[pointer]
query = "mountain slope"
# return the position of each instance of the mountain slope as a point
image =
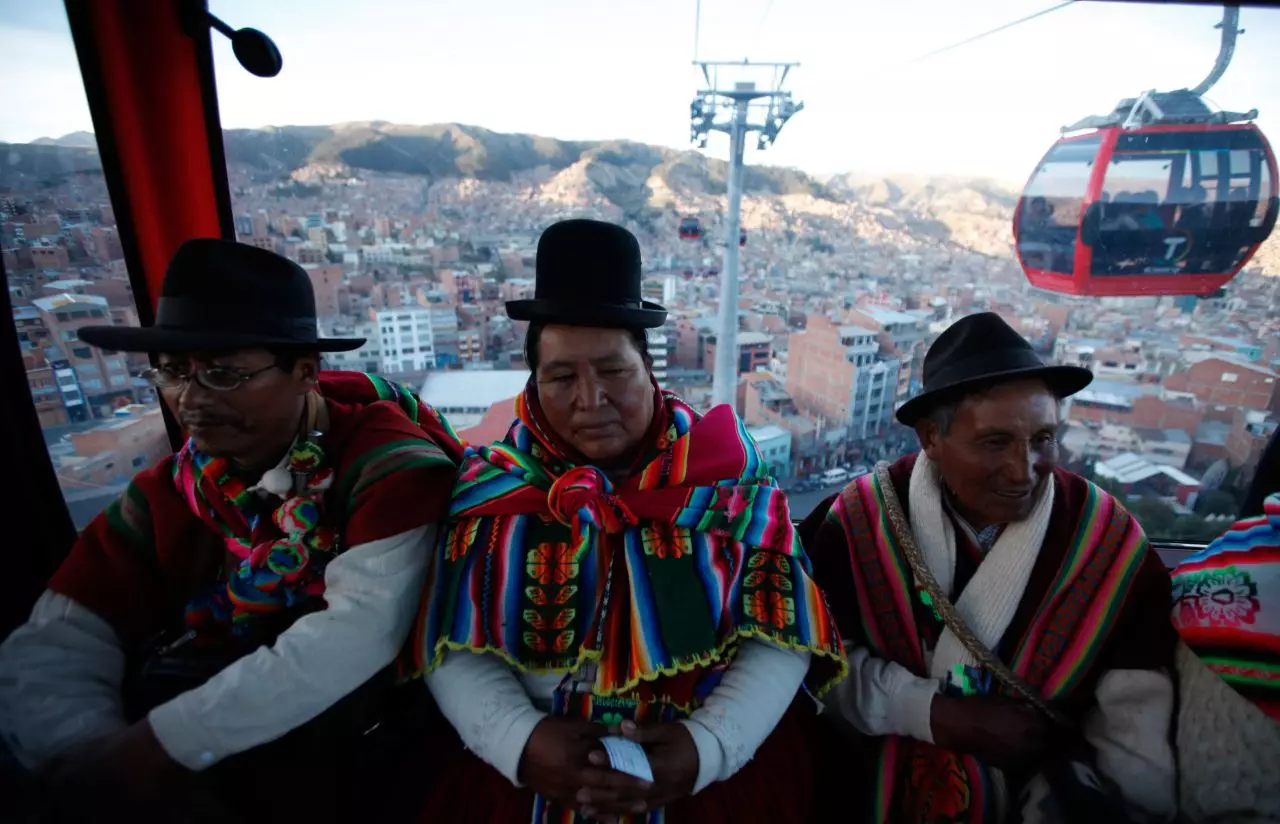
(622, 170)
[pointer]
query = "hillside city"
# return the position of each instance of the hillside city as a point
(844, 284)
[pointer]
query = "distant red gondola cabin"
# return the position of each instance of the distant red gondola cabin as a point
(1173, 207)
(690, 228)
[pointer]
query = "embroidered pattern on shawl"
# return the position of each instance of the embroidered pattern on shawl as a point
(278, 568)
(702, 537)
(1227, 606)
(922, 782)
(643, 590)
(283, 548)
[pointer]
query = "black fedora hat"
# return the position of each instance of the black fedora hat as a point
(588, 274)
(221, 295)
(980, 350)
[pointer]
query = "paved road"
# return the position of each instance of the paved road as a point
(802, 503)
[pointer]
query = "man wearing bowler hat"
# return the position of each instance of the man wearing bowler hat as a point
(1004, 617)
(256, 586)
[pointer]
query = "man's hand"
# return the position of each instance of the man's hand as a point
(993, 729)
(673, 757)
(557, 762)
(126, 768)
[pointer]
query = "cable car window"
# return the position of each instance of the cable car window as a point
(1181, 202)
(1052, 204)
(404, 202)
(65, 269)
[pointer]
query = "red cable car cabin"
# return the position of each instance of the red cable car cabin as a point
(690, 228)
(1172, 208)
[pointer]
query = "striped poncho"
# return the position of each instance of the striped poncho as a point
(1088, 606)
(652, 583)
(385, 463)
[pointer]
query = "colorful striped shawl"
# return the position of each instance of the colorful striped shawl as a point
(549, 566)
(282, 552)
(1227, 606)
(1064, 638)
(148, 553)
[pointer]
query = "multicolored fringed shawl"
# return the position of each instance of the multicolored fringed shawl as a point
(280, 538)
(920, 782)
(278, 569)
(1227, 606)
(148, 554)
(643, 590)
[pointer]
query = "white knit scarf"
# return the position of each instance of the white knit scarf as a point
(991, 597)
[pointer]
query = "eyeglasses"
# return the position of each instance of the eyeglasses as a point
(216, 378)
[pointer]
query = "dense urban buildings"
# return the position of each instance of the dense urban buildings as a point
(840, 296)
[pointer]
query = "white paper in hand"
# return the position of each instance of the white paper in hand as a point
(627, 756)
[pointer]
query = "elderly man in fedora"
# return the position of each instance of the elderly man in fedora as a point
(620, 564)
(255, 586)
(1009, 649)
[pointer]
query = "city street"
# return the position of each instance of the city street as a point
(802, 503)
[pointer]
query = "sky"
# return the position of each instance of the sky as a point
(589, 69)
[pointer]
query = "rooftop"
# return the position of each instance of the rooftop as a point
(1225, 341)
(1107, 398)
(1126, 389)
(1225, 357)
(56, 302)
(493, 425)
(847, 331)
(1213, 432)
(1128, 468)
(473, 387)
(1092, 343)
(769, 388)
(767, 433)
(887, 316)
(1163, 435)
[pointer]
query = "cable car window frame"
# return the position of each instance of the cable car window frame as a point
(1080, 152)
(1187, 149)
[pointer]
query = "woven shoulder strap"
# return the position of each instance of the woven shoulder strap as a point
(902, 532)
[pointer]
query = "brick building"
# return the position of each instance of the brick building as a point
(836, 373)
(1223, 380)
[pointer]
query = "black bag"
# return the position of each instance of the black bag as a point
(1069, 790)
(170, 664)
(176, 662)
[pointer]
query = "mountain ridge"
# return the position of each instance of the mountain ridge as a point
(649, 184)
(443, 150)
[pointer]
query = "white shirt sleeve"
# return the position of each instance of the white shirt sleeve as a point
(60, 676)
(371, 592)
(488, 705)
(739, 714)
(1129, 730)
(884, 698)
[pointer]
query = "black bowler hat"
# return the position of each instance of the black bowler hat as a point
(981, 350)
(221, 295)
(588, 274)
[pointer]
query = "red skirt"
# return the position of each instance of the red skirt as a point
(777, 786)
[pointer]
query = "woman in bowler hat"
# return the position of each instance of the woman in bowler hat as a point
(620, 570)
